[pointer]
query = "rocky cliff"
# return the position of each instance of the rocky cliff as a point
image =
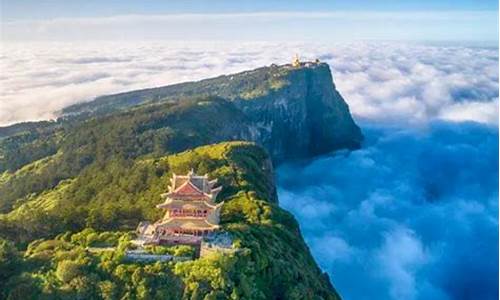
(305, 116)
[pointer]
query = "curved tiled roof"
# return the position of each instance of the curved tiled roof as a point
(194, 223)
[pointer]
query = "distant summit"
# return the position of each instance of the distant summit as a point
(246, 85)
(294, 109)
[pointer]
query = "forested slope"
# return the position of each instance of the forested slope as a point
(273, 261)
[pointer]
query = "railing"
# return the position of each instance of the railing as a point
(189, 214)
(141, 255)
(180, 238)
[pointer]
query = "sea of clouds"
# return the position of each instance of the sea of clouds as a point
(408, 83)
(414, 213)
(411, 215)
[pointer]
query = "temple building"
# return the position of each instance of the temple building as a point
(190, 212)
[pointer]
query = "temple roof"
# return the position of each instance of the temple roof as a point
(188, 188)
(191, 205)
(200, 182)
(193, 223)
(192, 187)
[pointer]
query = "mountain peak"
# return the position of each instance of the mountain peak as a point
(282, 103)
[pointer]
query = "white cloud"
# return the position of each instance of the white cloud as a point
(389, 82)
(485, 112)
(417, 83)
(40, 79)
(333, 248)
(400, 255)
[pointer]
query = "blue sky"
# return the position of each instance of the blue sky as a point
(23, 9)
(251, 20)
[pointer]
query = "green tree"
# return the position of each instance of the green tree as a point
(68, 270)
(23, 287)
(9, 261)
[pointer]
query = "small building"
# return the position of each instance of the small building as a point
(296, 61)
(191, 212)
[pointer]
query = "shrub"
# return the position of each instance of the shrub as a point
(67, 270)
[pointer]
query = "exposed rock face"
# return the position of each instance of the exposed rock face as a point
(304, 118)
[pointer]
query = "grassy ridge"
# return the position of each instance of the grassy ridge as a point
(273, 263)
(247, 85)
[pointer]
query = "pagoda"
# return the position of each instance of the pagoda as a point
(190, 212)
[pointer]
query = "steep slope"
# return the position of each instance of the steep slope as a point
(303, 117)
(272, 262)
(295, 111)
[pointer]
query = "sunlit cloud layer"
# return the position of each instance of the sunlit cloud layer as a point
(380, 81)
(412, 215)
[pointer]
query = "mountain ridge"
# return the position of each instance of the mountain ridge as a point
(294, 112)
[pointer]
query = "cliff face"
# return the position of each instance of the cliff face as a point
(306, 117)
